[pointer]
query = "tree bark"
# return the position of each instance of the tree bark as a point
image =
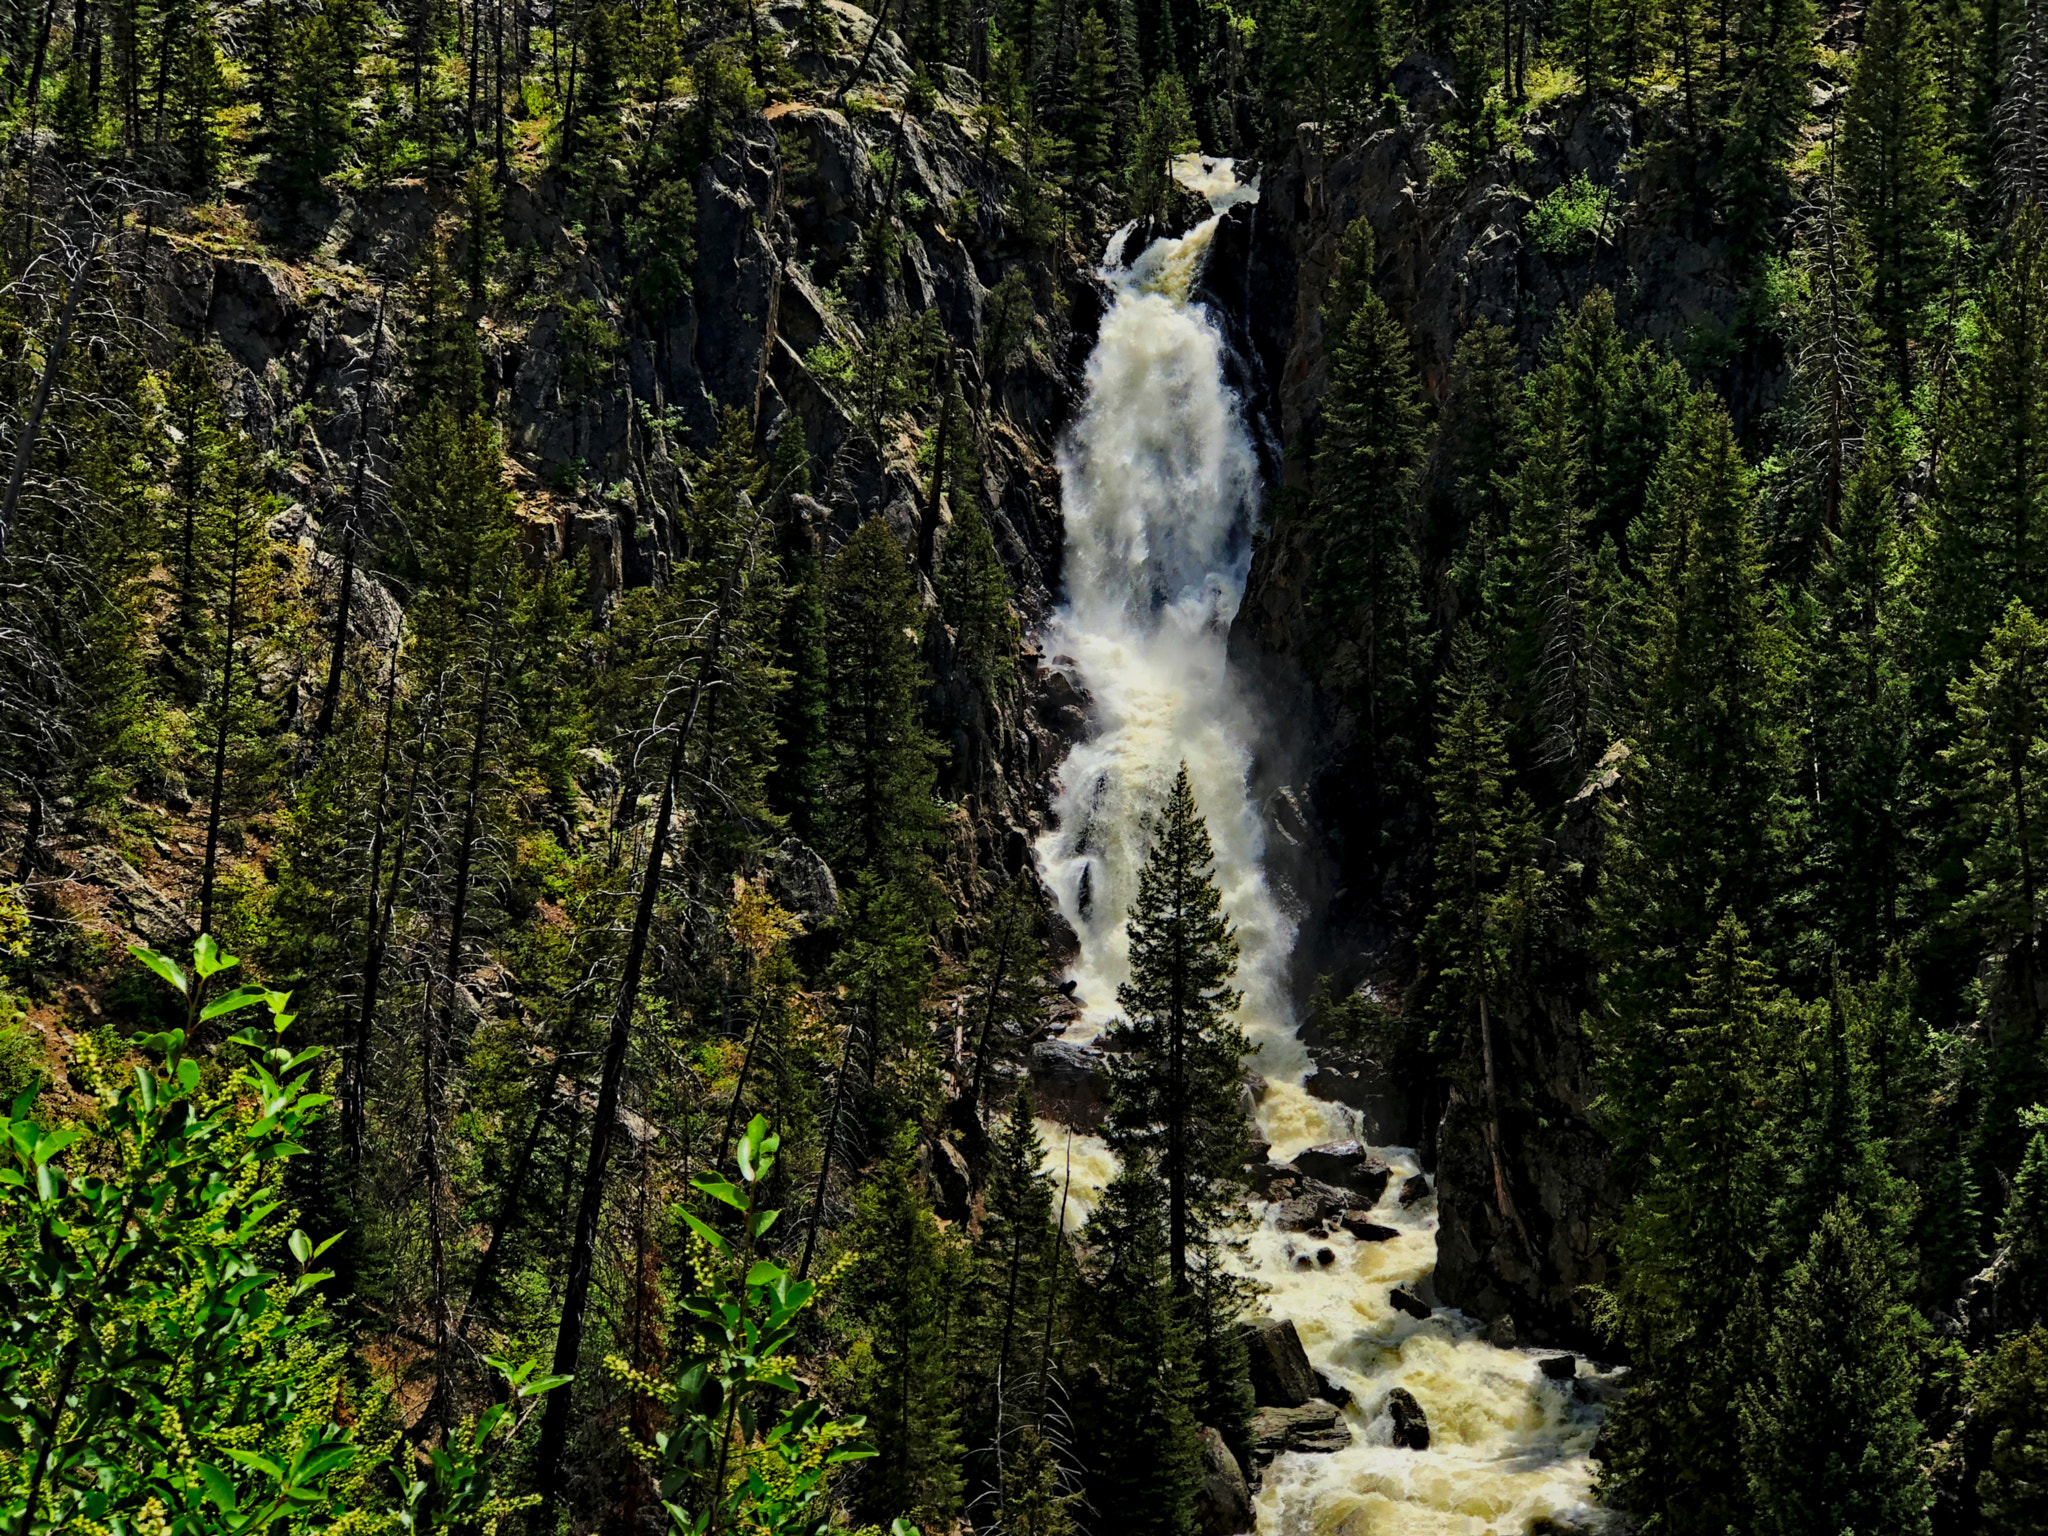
(554, 1430)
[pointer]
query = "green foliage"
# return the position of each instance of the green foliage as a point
(735, 1457)
(1148, 1464)
(1835, 1443)
(144, 1236)
(1368, 575)
(661, 239)
(904, 1293)
(1006, 337)
(1573, 219)
(1165, 130)
(1895, 157)
(974, 597)
(1174, 1087)
(2009, 1399)
(878, 813)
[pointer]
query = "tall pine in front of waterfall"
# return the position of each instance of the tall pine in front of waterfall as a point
(1176, 1086)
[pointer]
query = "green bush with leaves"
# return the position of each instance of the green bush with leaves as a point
(725, 1464)
(1572, 219)
(161, 1368)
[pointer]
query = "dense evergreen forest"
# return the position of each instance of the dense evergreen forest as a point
(524, 532)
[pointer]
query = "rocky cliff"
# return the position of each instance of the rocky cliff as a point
(308, 303)
(1448, 255)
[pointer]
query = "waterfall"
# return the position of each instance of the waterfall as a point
(1161, 497)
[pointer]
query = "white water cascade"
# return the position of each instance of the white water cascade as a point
(1160, 498)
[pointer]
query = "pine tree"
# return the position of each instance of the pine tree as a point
(196, 91)
(1174, 1089)
(1685, 1242)
(452, 512)
(1834, 1444)
(1368, 577)
(1091, 120)
(879, 816)
(2009, 1398)
(2001, 763)
(1010, 1290)
(1148, 1463)
(1895, 156)
(1556, 598)
(974, 598)
(1484, 890)
(1166, 129)
(1773, 72)
(1478, 449)
(317, 99)
(1035, 1499)
(1007, 968)
(1706, 828)
(1860, 709)
(443, 361)
(1991, 494)
(1841, 1160)
(2023, 1231)
(1835, 372)
(904, 1292)
(797, 788)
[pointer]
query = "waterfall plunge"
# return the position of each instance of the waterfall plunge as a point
(1160, 498)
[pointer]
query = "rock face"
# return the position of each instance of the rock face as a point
(1447, 255)
(1280, 1372)
(1070, 1084)
(1315, 1427)
(1223, 1507)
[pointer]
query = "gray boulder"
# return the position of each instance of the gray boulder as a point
(1361, 1226)
(1411, 1424)
(1316, 1427)
(802, 881)
(1280, 1372)
(1348, 1163)
(1223, 1505)
(1404, 1300)
(1070, 1084)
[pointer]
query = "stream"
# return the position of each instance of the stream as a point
(1161, 493)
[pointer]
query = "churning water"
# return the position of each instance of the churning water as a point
(1161, 490)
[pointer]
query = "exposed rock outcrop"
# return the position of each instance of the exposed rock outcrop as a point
(1280, 1372)
(1316, 1427)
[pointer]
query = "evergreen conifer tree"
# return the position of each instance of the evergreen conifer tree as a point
(2000, 763)
(1834, 1443)
(2009, 1399)
(1991, 494)
(1860, 709)
(879, 812)
(1091, 120)
(1557, 600)
(1368, 577)
(904, 1291)
(1166, 129)
(1687, 1244)
(974, 597)
(1895, 155)
(1174, 1086)
(1483, 892)
(1706, 827)
(2023, 1232)
(1149, 1461)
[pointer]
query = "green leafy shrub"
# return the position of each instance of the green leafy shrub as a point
(158, 1371)
(1572, 219)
